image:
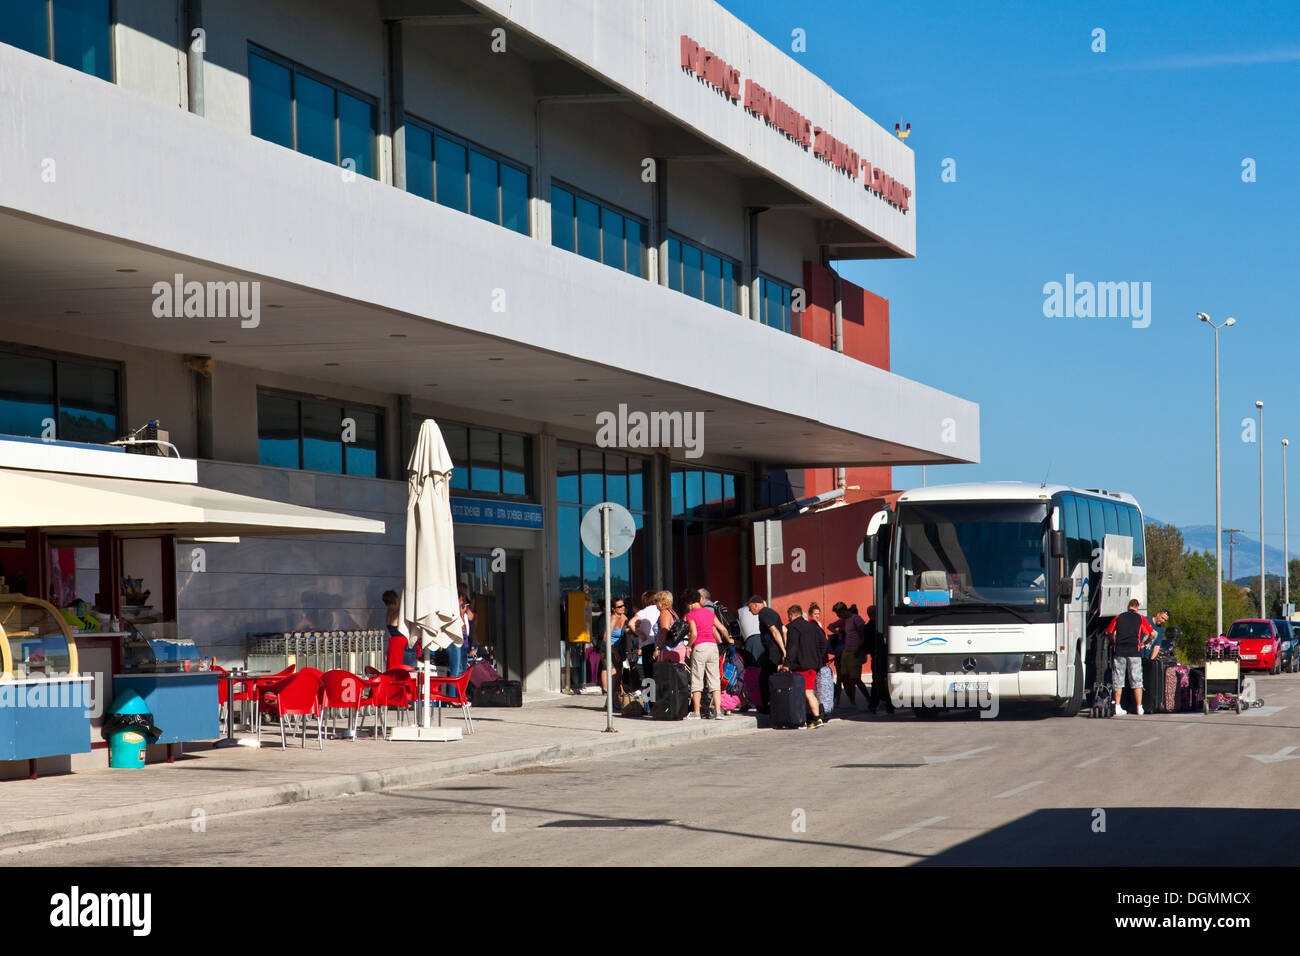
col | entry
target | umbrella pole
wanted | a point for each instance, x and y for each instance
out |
(609, 650)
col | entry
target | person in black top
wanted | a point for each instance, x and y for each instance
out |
(773, 652)
(804, 655)
(877, 645)
(1127, 632)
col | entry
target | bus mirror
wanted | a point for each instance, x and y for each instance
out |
(1058, 544)
(1067, 590)
(869, 548)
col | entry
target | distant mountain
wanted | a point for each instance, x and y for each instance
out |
(1245, 556)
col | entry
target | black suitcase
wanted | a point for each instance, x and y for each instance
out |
(789, 703)
(672, 699)
(1153, 685)
(497, 693)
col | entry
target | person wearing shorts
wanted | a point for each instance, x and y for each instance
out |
(805, 653)
(706, 632)
(1127, 632)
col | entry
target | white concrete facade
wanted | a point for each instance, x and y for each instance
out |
(375, 296)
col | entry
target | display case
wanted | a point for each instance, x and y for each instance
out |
(45, 703)
(35, 639)
(157, 648)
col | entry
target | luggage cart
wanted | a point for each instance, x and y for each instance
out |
(1223, 679)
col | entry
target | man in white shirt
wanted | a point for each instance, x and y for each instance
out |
(646, 624)
(748, 628)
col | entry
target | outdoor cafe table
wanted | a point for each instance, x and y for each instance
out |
(232, 678)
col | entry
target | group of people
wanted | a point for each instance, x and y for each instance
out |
(702, 635)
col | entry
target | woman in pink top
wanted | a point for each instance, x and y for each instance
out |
(706, 630)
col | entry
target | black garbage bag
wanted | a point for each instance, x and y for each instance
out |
(139, 722)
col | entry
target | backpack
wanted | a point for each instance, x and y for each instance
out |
(678, 631)
(729, 621)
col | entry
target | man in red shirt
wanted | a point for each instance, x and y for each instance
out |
(1127, 632)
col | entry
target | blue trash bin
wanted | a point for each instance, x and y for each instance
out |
(128, 725)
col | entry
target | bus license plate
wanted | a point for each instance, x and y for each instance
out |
(971, 687)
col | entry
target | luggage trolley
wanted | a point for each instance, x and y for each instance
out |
(1223, 677)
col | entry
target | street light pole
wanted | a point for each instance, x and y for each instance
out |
(1260, 439)
(1286, 543)
(1218, 487)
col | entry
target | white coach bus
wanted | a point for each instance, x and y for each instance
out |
(1001, 590)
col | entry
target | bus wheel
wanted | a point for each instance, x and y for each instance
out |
(1072, 706)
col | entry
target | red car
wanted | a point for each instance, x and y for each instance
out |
(1261, 644)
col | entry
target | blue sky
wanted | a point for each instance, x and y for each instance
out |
(1117, 166)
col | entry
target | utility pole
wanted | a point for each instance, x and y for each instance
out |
(1232, 541)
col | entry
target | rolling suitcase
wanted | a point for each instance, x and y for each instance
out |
(1153, 685)
(1196, 688)
(497, 693)
(826, 689)
(672, 691)
(789, 705)
(1182, 687)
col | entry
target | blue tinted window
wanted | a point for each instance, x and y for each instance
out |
(356, 134)
(457, 440)
(728, 286)
(271, 101)
(81, 36)
(419, 161)
(611, 229)
(593, 477)
(675, 265)
(1111, 518)
(315, 114)
(729, 494)
(616, 479)
(570, 547)
(773, 313)
(1139, 537)
(677, 484)
(362, 453)
(712, 279)
(694, 491)
(562, 218)
(87, 403)
(713, 494)
(636, 485)
(566, 473)
(1098, 522)
(588, 215)
(515, 464)
(514, 199)
(277, 432)
(26, 395)
(483, 187)
(24, 25)
(485, 460)
(691, 270)
(635, 247)
(450, 158)
(322, 437)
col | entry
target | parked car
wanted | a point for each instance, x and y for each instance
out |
(1290, 632)
(1261, 644)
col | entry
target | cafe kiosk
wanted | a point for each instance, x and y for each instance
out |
(62, 662)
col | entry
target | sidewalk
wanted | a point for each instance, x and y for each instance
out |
(545, 730)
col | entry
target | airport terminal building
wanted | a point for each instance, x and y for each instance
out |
(291, 230)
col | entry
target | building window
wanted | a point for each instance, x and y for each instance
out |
(704, 542)
(702, 273)
(489, 462)
(597, 230)
(314, 435)
(586, 477)
(76, 33)
(453, 172)
(308, 113)
(776, 298)
(61, 399)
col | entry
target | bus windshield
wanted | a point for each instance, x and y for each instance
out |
(977, 554)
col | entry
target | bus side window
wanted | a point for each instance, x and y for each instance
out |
(1098, 532)
(1139, 542)
(1121, 520)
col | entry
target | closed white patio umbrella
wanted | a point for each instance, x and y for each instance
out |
(430, 604)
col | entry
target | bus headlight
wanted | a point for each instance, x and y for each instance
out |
(1038, 662)
(897, 664)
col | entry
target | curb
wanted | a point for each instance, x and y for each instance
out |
(111, 819)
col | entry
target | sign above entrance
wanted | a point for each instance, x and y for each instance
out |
(502, 514)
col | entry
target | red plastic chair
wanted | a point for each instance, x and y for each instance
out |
(459, 696)
(344, 691)
(299, 695)
(393, 690)
(396, 648)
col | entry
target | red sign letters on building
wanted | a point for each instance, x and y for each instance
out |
(710, 68)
